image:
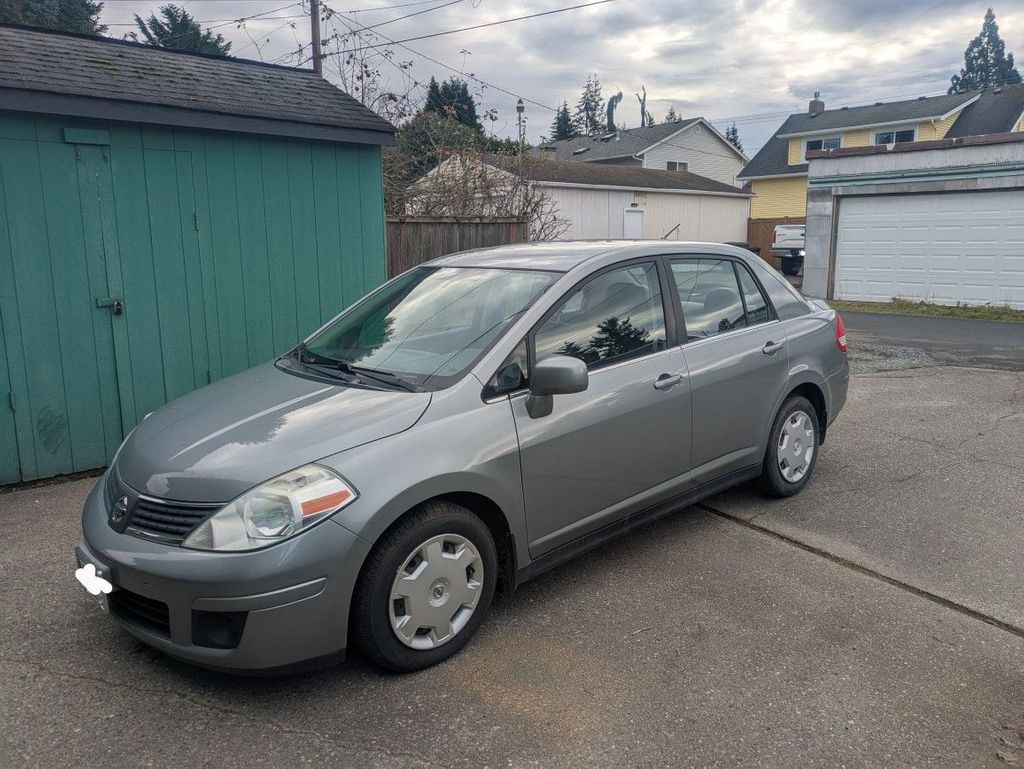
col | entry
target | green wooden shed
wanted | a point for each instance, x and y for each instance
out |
(166, 219)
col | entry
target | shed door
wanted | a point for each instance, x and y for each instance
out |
(58, 346)
(633, 224)
(90, 224)
(945, 248)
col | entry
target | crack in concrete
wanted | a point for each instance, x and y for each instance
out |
(324, 737)
(935, 598)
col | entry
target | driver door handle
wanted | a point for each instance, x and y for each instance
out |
(665, 381)
(770, 348)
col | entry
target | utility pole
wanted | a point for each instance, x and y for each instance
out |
(521, 108)
(314, 29)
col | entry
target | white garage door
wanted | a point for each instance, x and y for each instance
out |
(949, 248)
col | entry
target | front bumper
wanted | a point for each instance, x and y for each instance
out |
(288, 603)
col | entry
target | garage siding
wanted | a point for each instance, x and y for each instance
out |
(946, 248)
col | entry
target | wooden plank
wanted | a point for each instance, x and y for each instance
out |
(194, 295)
(352, 234)
(29, 304)
(304, 240)
(417, 239)
(10, 460)
(226, 254)
(253, 239)
(193, 143)
(143, 365)
(371, 187)
(328, 229)
(281, 260)
(86, 372)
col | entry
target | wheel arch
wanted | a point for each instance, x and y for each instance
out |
(814, 393)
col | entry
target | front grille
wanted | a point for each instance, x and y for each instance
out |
(138, 610)
(169, 522)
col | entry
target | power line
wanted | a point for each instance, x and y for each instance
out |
(488, 24)
(410, 15)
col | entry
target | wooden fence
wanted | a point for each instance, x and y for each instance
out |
(760, 231)
(413, 240)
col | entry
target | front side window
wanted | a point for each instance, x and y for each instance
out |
(614, 317)
(709, 296)
(427, 328)
(895, 137)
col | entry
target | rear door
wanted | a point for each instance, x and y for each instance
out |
(623, 443)
(735, 351)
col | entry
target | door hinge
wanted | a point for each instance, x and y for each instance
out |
(195, 220)
(10, 400)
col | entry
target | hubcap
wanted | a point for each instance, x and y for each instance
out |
(796, 446)
(436, 591)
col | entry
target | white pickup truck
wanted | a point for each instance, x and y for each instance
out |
(788, 244)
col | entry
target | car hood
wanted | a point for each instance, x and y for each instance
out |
(217, 442)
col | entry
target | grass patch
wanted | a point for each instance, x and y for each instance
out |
(908, 307)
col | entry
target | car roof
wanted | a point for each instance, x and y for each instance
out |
(563, 256)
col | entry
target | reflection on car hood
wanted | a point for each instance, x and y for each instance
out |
(215, 443)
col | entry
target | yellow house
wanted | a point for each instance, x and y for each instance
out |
(778, 173)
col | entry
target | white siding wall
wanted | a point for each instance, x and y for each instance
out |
(592, 213)
(702, 151)
(599, 214)
(701, 217)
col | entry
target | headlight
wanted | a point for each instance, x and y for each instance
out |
(274, 511)
(802, 252)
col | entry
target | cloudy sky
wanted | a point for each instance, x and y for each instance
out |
(748, 61)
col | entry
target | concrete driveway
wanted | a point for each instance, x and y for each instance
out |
(875, 620)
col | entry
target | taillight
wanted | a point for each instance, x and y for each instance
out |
(840, 333)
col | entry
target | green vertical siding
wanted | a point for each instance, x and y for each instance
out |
(227, 249)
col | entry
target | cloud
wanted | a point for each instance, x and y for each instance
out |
(752, 60)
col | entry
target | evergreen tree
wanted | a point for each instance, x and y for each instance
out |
(80, 16)
(177, 30)
(433, 97)
(734, 137)
(986, 63)
(671, 116)
(563, 127)
(589, 115)
(453, 99)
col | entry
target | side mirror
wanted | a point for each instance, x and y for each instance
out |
(555, 375)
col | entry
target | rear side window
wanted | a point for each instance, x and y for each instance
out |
(614, 317)
(709, 296)
(757, 307)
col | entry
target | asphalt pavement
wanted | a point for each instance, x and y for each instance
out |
(876, 619)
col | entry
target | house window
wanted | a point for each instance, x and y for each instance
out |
(895, 137)
(676, 165)
(828, 143)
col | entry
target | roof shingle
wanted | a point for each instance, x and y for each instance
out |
(625, 143)
(37, 64)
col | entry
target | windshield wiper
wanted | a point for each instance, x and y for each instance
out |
(385, 377)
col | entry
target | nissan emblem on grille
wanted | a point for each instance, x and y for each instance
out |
(119, 514)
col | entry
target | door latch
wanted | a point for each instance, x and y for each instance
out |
(116, 304)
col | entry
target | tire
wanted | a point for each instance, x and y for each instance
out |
(781, 473)
(458, 543)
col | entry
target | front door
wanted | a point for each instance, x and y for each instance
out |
(622, 444)
(736, 357)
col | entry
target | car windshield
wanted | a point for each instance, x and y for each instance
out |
(425, 329)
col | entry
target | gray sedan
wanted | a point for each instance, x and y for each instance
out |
(468, 425)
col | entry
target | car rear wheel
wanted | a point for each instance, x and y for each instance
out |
(792, 448)
(425, 588)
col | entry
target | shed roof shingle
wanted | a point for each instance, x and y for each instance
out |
(38, 67)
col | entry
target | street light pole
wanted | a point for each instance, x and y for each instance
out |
(521, 108)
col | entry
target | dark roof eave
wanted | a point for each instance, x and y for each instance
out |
(920, 146)
(139, 112)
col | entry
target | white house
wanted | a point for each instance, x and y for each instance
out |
(685, 145)
(603, 201)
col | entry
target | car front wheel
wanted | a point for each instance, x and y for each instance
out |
(792, 448)
(425, 588)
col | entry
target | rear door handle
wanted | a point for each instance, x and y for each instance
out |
(665, 381)
(770, 348)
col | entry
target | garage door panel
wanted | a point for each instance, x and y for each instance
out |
(949, 248)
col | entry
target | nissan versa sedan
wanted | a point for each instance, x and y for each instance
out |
(466, 426)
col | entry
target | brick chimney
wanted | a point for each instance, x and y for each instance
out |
(816, 105)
